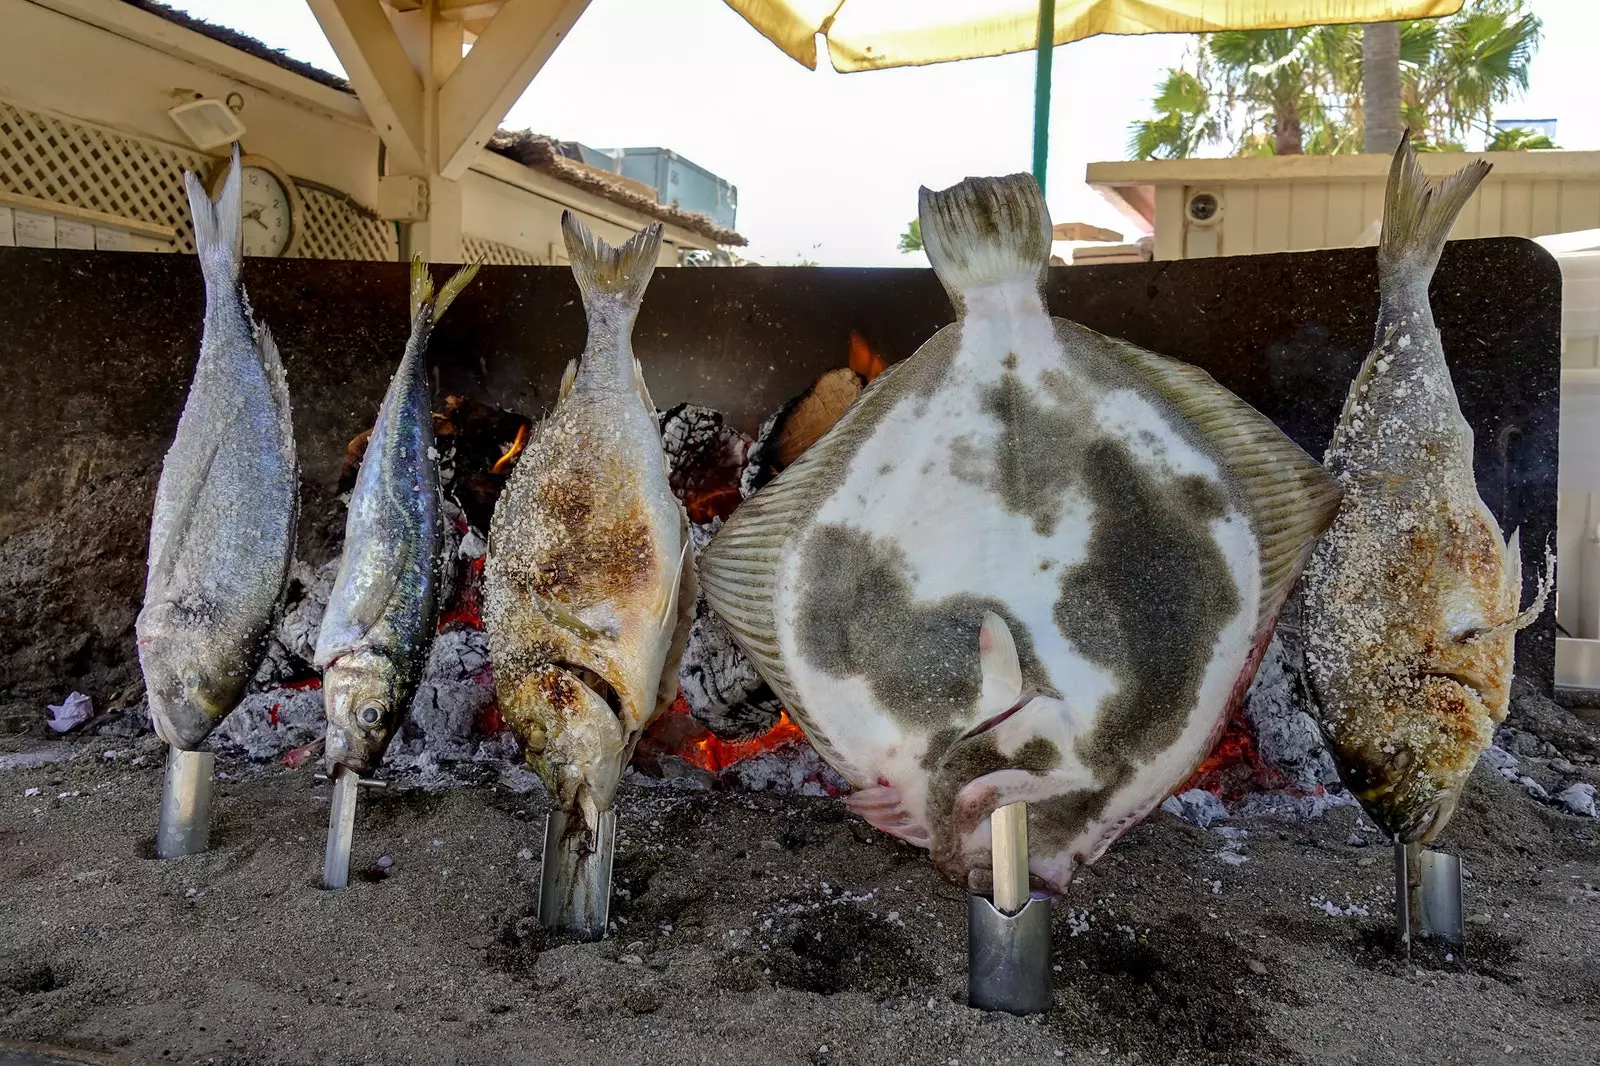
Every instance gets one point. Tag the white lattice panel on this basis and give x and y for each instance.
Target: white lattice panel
(67, 161)
(496, 254)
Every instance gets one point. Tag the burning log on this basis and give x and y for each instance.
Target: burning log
(801, 422)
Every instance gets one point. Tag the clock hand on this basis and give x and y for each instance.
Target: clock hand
(254, 215)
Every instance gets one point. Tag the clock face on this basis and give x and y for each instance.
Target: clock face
(268, 218)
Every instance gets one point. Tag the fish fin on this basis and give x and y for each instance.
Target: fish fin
(422, 291)
(351, 614)
(882, 808)
(1000, 667)
(567, 379)
(688, 592)
(1289, 498)
(644, 391)
(1511, 591)
(606, 273)
(219, 225)
(1418, 216)
(985, 231)
(278, 385)
(167, 546)
(563, 617)
(666, 606)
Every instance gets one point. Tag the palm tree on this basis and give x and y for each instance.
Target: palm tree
(1380, 86)
(1313, 89)
(1184, 120)
(911, 239)
(1517, 139)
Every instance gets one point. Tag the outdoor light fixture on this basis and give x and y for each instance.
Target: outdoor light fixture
(208, 122)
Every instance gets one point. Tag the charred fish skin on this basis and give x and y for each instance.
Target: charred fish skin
(1129, 525)
(223, 527)
(384, 607)
(588, 590)
(1412, 596)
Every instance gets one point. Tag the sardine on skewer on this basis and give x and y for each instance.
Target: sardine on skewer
(1412, 597)
(222, 533)
(384, 607)
(589, 585)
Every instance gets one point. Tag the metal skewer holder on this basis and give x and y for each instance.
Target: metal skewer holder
(1427, 896)
(580, 905)
(1008, 939)
(341, 825)
(185, 827)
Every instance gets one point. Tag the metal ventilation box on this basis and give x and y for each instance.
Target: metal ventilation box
(678, 181)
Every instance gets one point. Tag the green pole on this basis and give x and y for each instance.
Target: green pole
(1041, 89)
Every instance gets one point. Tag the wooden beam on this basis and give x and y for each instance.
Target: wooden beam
(1082, 231)
(468, 10)
(381, 74)
(504, 59)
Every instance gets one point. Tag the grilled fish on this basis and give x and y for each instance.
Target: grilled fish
(1128, 528)
(222, 534)
(588, 585)
(384, 607)
(1411, 599)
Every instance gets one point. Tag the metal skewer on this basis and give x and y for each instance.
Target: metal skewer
(341, 825)
(185, 827)
(1427, 896)
(575, 874)
(1008, 940)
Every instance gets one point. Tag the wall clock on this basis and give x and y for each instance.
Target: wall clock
(271, 205)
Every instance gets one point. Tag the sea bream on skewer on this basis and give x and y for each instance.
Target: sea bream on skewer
(222, 533)
(1412, 597)
(1031, 563)
(588, 582)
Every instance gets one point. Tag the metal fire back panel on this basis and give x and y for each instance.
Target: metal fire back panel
(97, 349)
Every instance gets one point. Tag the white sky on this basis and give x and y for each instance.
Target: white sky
(828, 165)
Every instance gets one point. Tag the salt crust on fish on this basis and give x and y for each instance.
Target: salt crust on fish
(1411, 599)
(1132, 526)
(223, 527)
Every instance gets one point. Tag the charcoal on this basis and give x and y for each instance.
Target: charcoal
(267, 724)
(718, 682)
(705, 458)
(1286, 736)
(293, 641)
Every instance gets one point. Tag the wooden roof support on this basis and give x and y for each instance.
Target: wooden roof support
(512, 48)
(382, 75)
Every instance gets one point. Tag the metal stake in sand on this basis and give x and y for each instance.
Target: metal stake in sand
(185, 827)
(1427, 895)
(575, 874)
(341, 825)
(1008, 940)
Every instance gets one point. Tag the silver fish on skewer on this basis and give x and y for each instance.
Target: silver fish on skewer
(1128, 528)
(384, 607)
(1412, 598)
(589, 587)
(222, 535)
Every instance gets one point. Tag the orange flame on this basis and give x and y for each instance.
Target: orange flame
(863, 360)
(503, 464)
(713, 755)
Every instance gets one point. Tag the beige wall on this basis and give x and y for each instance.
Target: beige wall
(1282, 204)
(109, 65)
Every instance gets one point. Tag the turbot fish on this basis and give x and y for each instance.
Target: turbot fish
(222, 534)
(1412, 597)
(384, 607)
(1030, 564)
(589, 588)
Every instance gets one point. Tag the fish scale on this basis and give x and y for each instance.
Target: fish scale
(1132, 526)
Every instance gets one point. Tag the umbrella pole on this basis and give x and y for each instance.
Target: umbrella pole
(1041, 89)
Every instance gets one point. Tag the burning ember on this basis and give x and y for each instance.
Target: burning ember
(504, 464)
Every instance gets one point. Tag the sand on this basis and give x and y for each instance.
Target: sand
(752, 928)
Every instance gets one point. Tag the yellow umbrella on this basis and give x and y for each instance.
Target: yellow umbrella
(870, 34)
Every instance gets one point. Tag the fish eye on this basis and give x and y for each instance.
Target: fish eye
(370, 713)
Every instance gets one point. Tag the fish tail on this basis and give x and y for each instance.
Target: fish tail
(1418, 216)
(985, 231)
(219, 225)
(618, 275)
(422, 291)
